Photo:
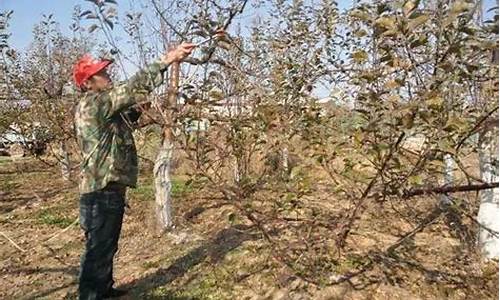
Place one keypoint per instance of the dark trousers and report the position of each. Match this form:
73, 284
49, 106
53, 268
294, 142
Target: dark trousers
101, 216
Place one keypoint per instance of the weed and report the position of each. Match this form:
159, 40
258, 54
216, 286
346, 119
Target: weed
145, 191
49, 217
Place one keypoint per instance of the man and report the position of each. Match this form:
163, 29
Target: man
109, 161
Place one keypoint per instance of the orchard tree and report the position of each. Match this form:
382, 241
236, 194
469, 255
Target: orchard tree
417, 83
42, 76
9, 108
416, 75
173, 24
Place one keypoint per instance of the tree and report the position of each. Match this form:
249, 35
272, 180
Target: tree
42, 77
488, 161
198, 23
411, 74
9, 108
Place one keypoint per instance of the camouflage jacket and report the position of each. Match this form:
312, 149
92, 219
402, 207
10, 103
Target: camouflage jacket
104, 132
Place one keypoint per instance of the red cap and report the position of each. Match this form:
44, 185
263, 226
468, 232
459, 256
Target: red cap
86, 67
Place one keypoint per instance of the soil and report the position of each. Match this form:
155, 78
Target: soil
208, 255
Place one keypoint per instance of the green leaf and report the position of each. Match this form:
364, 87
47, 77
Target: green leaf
383, 7
422, 40
408, 121
109, 23
435, 102
385, 58
468, 30
455, 123
392, 84
416, 180
83, 14
359, 14
410, 6
446, 146
460, 7
92, 28
231, 218
415, 23
382, 146
360, 56
415, 15
368, 76
91, 16
386, 22
360, 33
296, 172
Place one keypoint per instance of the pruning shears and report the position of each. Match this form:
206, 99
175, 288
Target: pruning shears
219, 33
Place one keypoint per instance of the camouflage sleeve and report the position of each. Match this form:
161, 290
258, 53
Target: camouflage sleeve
134, 90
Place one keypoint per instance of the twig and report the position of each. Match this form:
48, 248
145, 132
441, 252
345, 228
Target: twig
475, 128
37, 197
162, 17
211, 50
12, 242
473, 219
431, 218
62, 231
342, 236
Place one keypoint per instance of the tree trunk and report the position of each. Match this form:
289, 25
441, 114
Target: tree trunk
163, 187
64, 161
448, 176
236, 171
285, 162
162, 168
488, 209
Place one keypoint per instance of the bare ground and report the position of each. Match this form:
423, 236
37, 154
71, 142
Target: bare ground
208, 256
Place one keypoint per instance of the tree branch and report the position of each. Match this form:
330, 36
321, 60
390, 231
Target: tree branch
450, 189
475, 128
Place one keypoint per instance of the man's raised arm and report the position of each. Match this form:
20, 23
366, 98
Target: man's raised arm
140, 85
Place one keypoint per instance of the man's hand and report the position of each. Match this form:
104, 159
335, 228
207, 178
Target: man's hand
220, 33
178, 54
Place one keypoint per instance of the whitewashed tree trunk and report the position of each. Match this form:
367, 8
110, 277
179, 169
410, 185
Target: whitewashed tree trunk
236, 171
448, 176
163, 163
285, 161
64, 161
163, 187
488, 209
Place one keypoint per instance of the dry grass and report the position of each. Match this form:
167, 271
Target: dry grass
213, 256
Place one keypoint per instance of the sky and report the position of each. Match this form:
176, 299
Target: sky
28, 12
